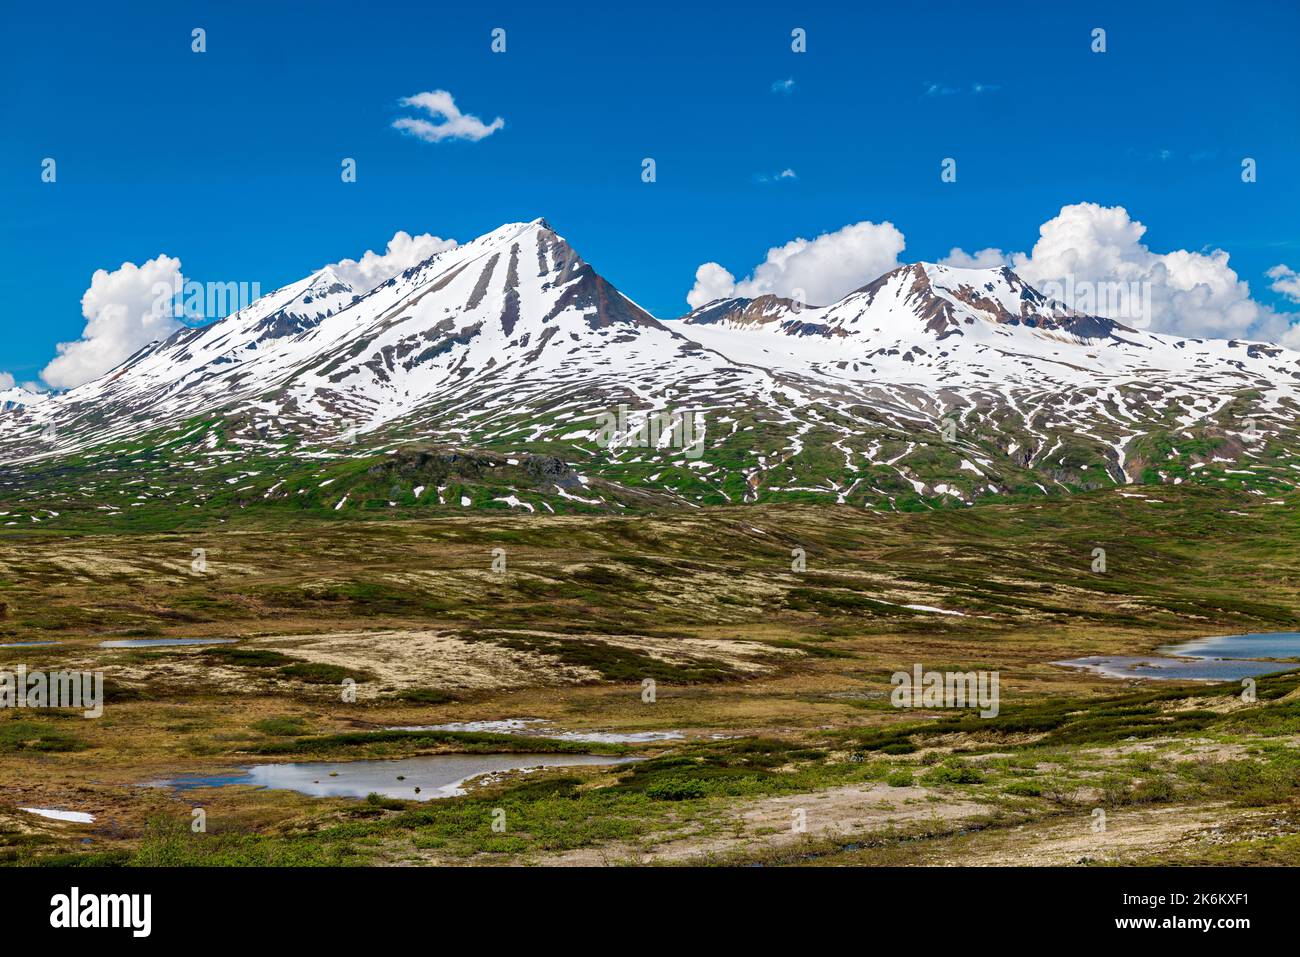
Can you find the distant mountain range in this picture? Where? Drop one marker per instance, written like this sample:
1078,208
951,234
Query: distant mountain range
931,385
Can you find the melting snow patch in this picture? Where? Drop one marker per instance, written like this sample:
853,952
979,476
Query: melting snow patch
79,817
515,502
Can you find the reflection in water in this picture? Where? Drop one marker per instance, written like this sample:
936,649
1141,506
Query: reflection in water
1219,658
411,779
1270,644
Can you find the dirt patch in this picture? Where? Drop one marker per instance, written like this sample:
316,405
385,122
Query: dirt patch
427,659
1127,834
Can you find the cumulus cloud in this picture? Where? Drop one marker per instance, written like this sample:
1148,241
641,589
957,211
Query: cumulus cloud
451,123
783,176
8,382
1091,248
1083,255
1286,281
783,86
817,271
711,282
983,259
1187,293
123,313
403,252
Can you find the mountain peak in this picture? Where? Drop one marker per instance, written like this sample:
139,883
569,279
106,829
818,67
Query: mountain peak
942,300
508,232
326,282
741,312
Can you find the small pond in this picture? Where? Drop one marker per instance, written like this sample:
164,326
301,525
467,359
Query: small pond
1217,658
413,779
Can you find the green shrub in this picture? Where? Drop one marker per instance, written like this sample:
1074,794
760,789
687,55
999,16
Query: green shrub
426,696
283,726
898,747
36,736
320,673
675,789
952,773
1024,789
249,657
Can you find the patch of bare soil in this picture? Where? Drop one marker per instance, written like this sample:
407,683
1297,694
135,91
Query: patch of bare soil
1189,749
1127,834
405,659
427,659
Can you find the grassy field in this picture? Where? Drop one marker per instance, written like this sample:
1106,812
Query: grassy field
770,633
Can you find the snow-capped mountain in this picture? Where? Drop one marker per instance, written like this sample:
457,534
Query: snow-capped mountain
943,298
517,304
939,325
930,381
17,397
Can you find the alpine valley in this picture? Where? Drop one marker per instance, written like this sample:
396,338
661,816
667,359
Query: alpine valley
487,376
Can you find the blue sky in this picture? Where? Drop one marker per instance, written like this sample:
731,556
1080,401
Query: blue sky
230,159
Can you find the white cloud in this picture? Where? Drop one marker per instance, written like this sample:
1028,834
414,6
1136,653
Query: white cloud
711,282
8,382
983,259
123,313
403,252
1087,246
1189,293
1286,281
455,125
818,271
784,175
783,86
